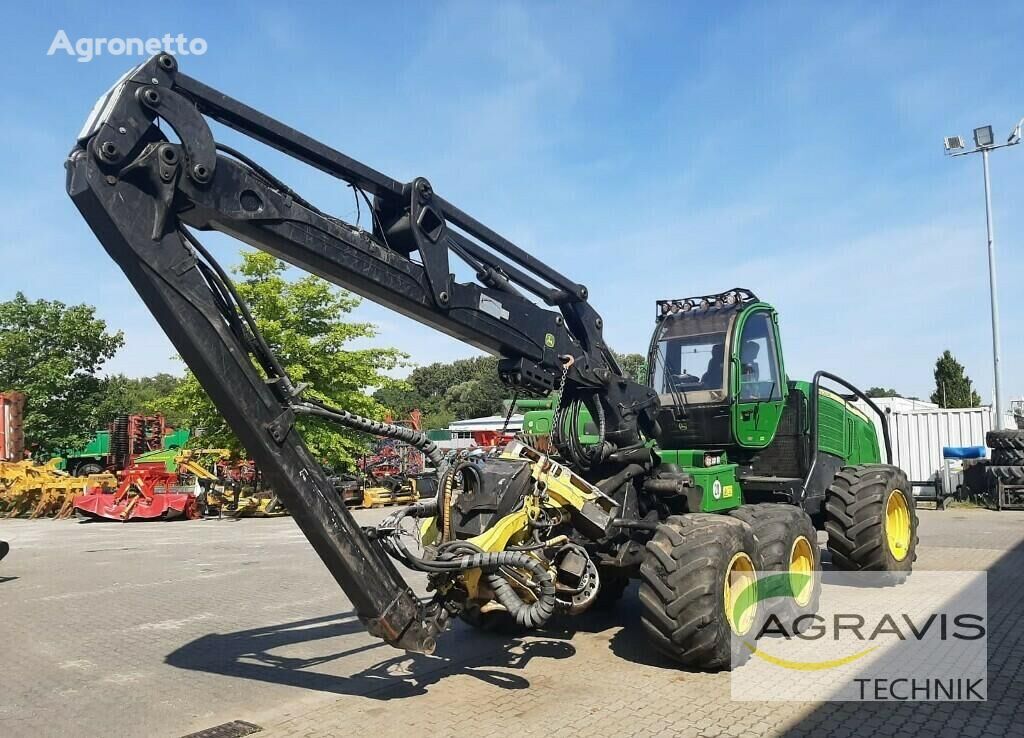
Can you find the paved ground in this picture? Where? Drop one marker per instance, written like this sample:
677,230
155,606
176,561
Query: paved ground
163,629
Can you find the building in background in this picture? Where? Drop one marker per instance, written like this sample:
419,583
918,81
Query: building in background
476,432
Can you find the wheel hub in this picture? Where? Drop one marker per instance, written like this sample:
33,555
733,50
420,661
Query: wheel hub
740,593
897,525
801,570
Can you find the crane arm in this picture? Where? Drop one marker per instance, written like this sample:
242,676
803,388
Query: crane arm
144,193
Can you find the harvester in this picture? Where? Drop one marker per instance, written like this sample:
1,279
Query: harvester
712,471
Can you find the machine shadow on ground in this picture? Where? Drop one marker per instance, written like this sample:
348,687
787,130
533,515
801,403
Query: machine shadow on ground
264,654
258,654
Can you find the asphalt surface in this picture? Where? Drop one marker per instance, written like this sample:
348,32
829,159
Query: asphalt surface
162,629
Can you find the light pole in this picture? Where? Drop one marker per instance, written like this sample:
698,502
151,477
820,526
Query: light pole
984,142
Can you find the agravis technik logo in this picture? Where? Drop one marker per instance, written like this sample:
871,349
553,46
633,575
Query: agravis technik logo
924,639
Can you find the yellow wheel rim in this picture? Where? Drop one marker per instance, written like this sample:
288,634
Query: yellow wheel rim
801,570
740,593
897,525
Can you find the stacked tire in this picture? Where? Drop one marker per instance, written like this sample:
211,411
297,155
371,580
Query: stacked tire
1007,464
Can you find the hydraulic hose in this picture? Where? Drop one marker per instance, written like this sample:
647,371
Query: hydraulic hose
531,615
368,425
457,556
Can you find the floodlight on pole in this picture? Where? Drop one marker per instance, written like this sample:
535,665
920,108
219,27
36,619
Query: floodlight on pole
954,143
983,137
984,141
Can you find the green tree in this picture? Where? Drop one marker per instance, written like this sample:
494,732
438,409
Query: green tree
882,392
465,388
303,323
444,391
952,385
633,366
138,396
51,352
476,398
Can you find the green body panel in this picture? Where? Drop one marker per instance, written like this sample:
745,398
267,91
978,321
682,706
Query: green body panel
689,457
97,449
754,422
843,430
98,446
176,439
719,486
166,456
538,423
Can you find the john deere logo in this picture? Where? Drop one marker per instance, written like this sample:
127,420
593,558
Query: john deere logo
549,340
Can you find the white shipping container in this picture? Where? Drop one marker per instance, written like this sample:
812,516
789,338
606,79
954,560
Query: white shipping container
919,435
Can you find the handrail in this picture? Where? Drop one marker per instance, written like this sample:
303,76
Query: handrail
815,387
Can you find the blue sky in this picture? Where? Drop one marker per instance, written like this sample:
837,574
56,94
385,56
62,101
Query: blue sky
648,150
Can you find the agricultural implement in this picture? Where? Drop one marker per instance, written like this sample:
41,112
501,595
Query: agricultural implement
693,481
126,439
147,491
35,490
231,489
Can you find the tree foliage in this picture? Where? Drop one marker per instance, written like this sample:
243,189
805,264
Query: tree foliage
953,388
139,396
446,391
882,392
465,388
51,352
633,366
303,323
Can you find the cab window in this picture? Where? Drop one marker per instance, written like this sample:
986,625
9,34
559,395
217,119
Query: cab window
758,360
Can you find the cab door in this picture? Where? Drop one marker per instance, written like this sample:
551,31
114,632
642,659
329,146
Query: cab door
757,378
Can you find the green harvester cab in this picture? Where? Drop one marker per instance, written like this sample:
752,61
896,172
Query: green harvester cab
730,416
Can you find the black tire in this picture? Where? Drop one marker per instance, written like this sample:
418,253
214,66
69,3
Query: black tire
855,519
1007,457
84,470
1007,474
682,588
780,531
5,548
1005,439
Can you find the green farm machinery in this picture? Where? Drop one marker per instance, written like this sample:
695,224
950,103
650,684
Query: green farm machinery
714,468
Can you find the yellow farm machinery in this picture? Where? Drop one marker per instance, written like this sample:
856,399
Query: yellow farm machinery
35,490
